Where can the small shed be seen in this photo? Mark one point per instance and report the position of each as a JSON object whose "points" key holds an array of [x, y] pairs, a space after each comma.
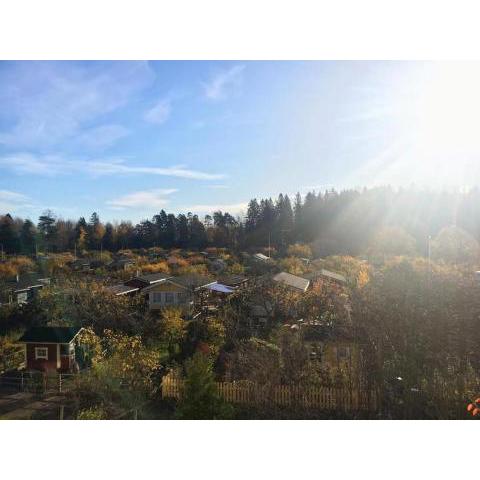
{"points": [[50, 348]]}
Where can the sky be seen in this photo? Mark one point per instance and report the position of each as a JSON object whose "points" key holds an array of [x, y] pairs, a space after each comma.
{"points": [[126, 139]]}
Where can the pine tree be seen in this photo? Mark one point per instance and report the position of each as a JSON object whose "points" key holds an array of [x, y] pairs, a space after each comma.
{"points": [[200, 399], [8, 235], [27, 237], [47, 228]]}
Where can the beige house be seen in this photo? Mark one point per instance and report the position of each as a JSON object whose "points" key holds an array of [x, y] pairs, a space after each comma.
{"points": [[176, 291]]}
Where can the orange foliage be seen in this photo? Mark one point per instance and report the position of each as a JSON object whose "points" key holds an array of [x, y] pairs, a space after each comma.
{"points": [[159, 267]]}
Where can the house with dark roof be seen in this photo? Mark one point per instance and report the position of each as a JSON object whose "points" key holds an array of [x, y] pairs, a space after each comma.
{"points": [[121, 264], [143, 281], [50, 348], [180, 291], [121, 290], [25, 287], [233, 281], [292, 281]]}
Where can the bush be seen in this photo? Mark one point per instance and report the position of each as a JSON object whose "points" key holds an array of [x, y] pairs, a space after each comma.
{"points": [[299, 250], [200, 398], [93, 413]]}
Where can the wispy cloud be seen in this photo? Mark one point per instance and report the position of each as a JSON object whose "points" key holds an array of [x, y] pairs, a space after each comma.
{"points": [[51, 102], [232, 208], [160, 112], [222, 83], [53, 165], [147, 199], [103, 136], [218, 187], [10, 201]]}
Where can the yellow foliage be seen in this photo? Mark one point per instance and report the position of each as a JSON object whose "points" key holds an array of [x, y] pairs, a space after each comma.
{"points": [[237, 269], [159, 267], [299, 250], [293, 265], [196, 259], [15, 266], [200, 269]]}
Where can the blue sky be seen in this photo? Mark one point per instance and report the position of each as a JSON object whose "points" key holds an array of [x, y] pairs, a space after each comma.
{"points": [[126, 139]]}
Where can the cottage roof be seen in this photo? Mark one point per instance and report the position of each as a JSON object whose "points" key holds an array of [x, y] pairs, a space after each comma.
{"points": [[49, 335], [218, 287], [29, 280], [232, 280], [261, 256], [292, 281], [153, 277], [192, 281], [121, 289]]}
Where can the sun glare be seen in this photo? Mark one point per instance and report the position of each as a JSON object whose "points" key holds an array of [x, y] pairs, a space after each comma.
{"points": [[448, 110]]}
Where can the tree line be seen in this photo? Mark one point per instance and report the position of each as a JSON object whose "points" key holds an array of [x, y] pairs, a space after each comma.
{"points": [[333, 222]]}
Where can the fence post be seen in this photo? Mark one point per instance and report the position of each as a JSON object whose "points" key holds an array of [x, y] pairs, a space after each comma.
{"points": [[59, 383], [135, 414], [22, 380], [62, 410]]}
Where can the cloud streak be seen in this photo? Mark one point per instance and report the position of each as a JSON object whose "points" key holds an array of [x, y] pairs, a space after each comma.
{"points": [[51, 102], [147, 199], [13, 201], [223, 82], [159, 113], [53, 165]]}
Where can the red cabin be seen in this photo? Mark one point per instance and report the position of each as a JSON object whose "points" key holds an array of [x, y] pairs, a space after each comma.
{"points": [[50, 348]]}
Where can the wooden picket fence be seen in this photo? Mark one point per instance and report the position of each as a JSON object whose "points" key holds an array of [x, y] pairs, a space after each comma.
{"points": [[320, 398]]}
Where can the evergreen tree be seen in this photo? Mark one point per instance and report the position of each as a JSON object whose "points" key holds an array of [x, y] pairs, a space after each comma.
{"points": [[109, 242], [96, 231], [8, 235], [200, 400], [47, 228], [198, 234], [27, 237]]}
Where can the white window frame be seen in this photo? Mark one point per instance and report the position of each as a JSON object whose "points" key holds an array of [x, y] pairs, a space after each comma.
{"points": [[41, 357]]}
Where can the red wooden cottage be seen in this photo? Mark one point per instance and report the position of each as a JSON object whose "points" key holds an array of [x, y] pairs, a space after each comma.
{"points": [[50, 348]]}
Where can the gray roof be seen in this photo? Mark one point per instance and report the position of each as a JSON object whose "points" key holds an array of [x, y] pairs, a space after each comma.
{"points": [[325, 274], [153, 277], [192, 281], [232, 280], [27, 281], [261, 256], [121, 289], [332, 275], [292, 281]]}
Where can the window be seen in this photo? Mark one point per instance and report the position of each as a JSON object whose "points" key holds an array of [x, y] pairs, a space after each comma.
{"points": [[169, 298], [22, 297], [157, 297], [181, 298], [41, 353]]}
